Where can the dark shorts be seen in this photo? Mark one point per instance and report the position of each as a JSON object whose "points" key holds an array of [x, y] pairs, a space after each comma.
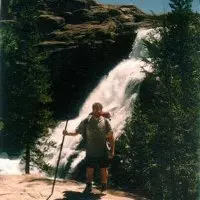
{"points": [[102, 162]]}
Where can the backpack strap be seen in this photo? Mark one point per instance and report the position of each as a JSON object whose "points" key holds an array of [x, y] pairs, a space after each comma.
{"points": [[85, 123]]}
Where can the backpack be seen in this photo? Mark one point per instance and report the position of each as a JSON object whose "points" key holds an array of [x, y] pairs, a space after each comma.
{"points": [[84, 135]]}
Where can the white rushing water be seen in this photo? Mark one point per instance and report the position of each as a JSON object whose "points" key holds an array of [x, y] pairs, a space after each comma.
{"points": [[116, 91], [10, 167]]}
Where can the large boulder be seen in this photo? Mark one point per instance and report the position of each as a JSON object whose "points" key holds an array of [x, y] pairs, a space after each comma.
{"points": [[67, 5], [48, 23], [85, 43]]}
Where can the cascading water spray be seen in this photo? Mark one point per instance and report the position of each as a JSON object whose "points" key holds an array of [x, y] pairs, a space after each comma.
{"points": [[116, 92]]}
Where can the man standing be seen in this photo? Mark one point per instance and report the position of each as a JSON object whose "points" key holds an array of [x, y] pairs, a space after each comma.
{"points": [[97, 131]]}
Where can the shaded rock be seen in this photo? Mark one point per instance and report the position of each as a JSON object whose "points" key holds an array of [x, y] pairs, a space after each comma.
{"points": [[68, 5], [78, 4], [92, 41], [84, 41], [48, 23], [53, 44], [79, 16]]}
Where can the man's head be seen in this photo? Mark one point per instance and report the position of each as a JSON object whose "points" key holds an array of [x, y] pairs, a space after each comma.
{"points": [[97, 109]]}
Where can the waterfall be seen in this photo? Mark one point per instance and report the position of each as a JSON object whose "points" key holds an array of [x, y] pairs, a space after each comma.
{"points": [[116, 92]]}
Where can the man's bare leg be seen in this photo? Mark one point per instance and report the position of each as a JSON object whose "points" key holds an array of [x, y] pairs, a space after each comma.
{"points": [[104, 178], [89, 174], [104, 175], [89, 179]]}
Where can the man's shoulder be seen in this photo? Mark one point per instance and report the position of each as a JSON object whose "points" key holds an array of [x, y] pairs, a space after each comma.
{"points": [[106, 120], [87, 119]]}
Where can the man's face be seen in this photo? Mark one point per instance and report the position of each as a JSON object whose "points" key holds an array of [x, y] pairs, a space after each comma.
{"points": [[97, 111]]}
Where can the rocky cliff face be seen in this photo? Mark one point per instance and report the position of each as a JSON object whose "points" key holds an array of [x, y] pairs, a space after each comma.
{"points": [[85, 41]]}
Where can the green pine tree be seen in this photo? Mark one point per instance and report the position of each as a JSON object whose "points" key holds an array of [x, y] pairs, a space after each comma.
{"points": [[161, 137], [27, 85]]}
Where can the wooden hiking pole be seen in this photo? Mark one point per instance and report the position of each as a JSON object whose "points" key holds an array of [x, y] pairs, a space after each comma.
{"points": [[54, 181]]}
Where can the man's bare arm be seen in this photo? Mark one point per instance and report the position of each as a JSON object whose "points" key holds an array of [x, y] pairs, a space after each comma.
{"points": [[111, 140], [70, 134]]}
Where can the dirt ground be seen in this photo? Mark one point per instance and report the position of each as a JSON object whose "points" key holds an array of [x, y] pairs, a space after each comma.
{"points": [[29, 187]]}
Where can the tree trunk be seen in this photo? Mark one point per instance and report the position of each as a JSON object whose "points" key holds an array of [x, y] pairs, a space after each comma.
{"points": [[27, 159], [4, 9]]}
